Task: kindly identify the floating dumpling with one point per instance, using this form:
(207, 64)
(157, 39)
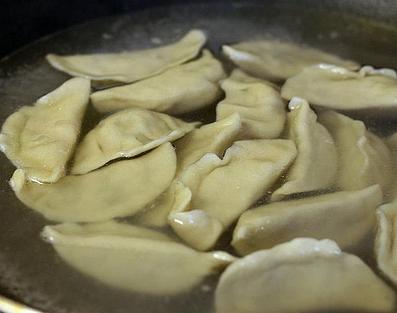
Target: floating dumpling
(210, 138)
(40, 139)
(130, 66)
(117, 190)
(222, 189)
(347, 217)
(315, 166)
(261, 109)
(181, 89)
(275, 60)
(363, 158)
(126, 134)
(304, 275)
(338, 88)
(385, 244)
(133, 258)
(176, 198)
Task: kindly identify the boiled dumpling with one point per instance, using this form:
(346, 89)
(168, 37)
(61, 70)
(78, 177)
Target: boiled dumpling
(275, 60)
(259, 105)
(348, 217)
(338, 88)
(130, 66)
(210, 138)
(391, 143)
(304, 275)
(40, 139)
(126, 134)
(222, 189)
(120, 189)
(316, 163)
(385, 244)
(363, 159)
(184, 88)
(133, 258)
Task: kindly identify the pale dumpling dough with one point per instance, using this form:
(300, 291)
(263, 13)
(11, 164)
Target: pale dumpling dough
(210, 138)
(391, 143)
(117, 190)
(133, 258)
(222, 189)
(385, 244)
(40, 139)
(181, 89)
(339, 88)
(347, 217)
(258, 103)
(130, 66)
(126, 134)
(363, 158)
(315, 166)
(275, 60)
(304, 275)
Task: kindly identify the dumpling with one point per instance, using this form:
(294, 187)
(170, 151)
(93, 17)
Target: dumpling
(363, 158)
(181, 89)
(338, 88)
(391, 143)
(261, 109)
(385, 244)
(130, 66)
(40, 139)
(210, 138)
(275, 60)
(315, 166)
(304, 275)
(222, 189)
(347, 217)
(176, 198)
(133, 258)
(126, 134)
(117, 190)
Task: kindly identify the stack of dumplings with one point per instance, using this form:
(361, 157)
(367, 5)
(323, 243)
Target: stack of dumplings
(284, 190)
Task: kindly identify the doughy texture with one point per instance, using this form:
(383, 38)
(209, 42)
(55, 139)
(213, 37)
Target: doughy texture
(181, 89)
(258, 103)
(117, 190)
(222, 189)
(40, 139)
(315, 166)
(210, 138)
(385, 244)
(275, 60)
(363, 158)
(347, 217)
(338, 88)
(133, 258)
(131, 66)
(303, 275)
(126, 134)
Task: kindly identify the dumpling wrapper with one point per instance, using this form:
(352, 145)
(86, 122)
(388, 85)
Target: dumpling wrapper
(181, 89)
(120, 189)
(347, 217)
(338, 88)
(363, 158)
(316, 164)
(210, 138)
(391, 143)
(259, 105)
(304, 275)
(385, 243)
(133, 258)
(40, 139)
(276, 61)
(130, 66)
(126, 134)
(222, 189)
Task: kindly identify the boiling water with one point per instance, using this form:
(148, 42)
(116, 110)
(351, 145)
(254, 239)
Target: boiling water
(30, 271)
